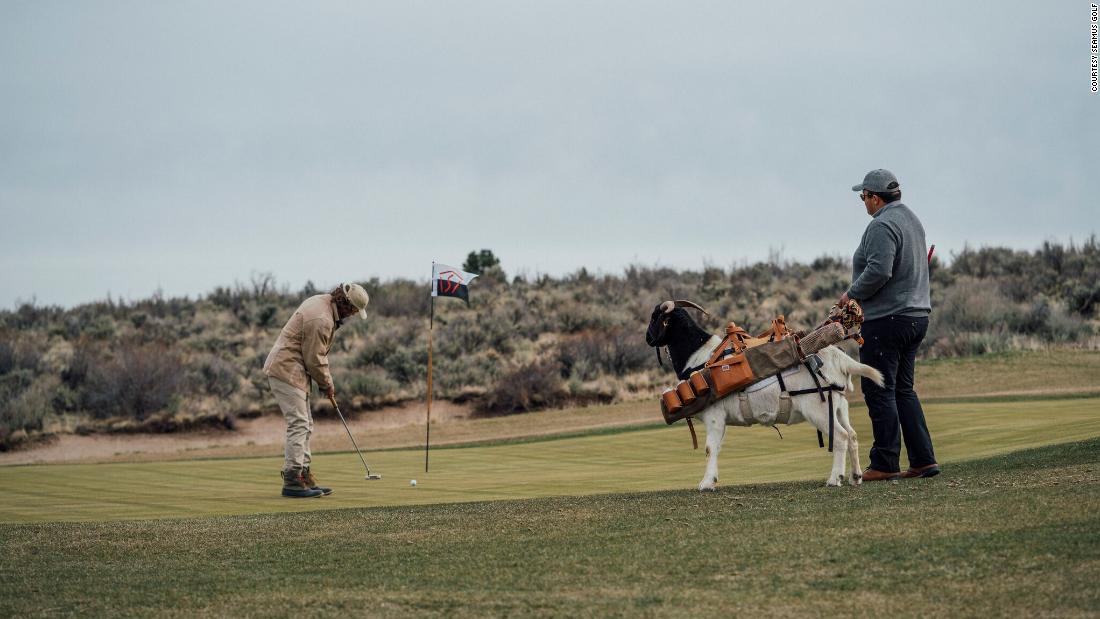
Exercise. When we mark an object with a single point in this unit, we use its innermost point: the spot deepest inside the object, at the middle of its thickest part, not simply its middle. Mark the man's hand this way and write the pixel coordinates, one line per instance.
(843, 302)
(330, 392)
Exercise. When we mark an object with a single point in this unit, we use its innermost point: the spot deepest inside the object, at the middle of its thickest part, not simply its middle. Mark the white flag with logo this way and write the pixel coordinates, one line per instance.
(448, 281)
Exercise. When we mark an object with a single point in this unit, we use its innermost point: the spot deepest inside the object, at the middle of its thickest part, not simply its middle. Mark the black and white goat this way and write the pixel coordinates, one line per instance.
(690, 346)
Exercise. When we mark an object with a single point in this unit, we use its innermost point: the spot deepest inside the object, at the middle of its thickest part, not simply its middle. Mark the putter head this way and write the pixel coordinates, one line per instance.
(373, 476)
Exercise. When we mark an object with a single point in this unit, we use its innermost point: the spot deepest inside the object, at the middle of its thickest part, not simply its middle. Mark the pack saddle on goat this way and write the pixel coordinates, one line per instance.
(742, 360)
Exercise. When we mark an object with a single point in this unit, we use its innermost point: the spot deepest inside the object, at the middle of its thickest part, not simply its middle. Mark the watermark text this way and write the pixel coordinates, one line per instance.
(1092, 27)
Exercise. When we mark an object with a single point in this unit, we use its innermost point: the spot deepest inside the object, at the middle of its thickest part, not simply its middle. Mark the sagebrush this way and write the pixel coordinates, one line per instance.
(523, 343)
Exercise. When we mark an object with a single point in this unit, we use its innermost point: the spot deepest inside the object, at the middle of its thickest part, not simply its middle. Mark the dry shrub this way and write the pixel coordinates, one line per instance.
(368, 387)
(462, 378)
(975, 316)
(396, 348)
(829, 288)
(403, 364)
(216, 376)
(398, 298)
(528, 387)
(470, 332)
(589, 323)
(140, 379)
(24, 406)
(19, 352)
(974, 305)
(615, 352)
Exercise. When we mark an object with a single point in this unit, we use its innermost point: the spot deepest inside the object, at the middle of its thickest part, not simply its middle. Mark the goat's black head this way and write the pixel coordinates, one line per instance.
(670, 325)
(663, 315)
(669, 317)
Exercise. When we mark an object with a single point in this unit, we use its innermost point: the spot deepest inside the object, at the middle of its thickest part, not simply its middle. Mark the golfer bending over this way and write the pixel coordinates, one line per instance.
(300, 354)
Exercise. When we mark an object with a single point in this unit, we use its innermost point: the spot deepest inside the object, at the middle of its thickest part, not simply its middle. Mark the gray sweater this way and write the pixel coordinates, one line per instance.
(890, 266)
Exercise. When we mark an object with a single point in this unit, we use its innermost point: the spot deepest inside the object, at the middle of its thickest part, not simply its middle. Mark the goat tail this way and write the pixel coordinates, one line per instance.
(865, 371)
(852, 367)
(869, 372)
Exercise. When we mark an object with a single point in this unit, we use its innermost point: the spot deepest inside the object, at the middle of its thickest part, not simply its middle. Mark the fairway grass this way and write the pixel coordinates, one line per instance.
(624, 461)
(1044, 374)
(1010, 535)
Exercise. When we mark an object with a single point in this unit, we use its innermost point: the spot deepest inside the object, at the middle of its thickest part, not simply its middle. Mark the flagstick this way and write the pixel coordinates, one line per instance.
(428, 423)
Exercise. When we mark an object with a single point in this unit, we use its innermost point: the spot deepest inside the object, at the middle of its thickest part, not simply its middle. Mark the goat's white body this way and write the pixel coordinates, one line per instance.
(838, 369)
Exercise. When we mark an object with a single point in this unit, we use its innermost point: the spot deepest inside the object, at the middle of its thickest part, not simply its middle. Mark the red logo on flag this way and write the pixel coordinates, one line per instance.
(449, 281)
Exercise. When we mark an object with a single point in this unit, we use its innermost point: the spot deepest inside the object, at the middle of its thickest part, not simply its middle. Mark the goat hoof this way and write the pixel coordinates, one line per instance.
(708, 487)
(857, 480)
(833, 483)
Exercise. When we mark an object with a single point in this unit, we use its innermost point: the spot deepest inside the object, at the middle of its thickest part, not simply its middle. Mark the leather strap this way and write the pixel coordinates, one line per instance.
(821, 392)
(813, 375)
(777, 331)
(784, 415)
(824, 389)
(734, 340)
(746, 408)
(689, 371)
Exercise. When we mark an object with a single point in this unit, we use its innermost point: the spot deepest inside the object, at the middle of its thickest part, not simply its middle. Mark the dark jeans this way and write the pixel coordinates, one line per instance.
(890, 346)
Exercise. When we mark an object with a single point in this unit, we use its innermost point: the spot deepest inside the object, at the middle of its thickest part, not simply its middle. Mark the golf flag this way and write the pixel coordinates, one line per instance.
(447, 281)
(451, 282)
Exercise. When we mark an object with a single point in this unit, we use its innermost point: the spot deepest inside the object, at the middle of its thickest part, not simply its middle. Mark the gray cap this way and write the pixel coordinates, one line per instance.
(878, 181)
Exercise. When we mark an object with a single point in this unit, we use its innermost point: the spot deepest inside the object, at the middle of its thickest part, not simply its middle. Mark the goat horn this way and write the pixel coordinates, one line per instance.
(667, 307)
(691, 304)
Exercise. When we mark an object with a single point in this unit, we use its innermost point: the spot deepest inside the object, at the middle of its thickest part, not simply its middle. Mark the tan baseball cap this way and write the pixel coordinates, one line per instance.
(358, 297)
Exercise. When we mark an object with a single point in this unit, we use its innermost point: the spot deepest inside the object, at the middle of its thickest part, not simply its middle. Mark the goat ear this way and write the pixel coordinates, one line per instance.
(667, 307)
(691, 304)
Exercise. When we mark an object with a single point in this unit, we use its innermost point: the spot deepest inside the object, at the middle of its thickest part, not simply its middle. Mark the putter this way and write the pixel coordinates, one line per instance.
(371, 476)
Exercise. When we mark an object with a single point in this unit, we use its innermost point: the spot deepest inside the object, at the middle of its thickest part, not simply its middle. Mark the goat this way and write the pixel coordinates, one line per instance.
(689, 346)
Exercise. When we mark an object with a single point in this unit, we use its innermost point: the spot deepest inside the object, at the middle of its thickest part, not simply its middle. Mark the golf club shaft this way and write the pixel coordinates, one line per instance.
(353, 444)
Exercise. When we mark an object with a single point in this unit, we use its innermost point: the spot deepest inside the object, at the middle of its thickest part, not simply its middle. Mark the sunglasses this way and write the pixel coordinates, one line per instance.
(863, 196)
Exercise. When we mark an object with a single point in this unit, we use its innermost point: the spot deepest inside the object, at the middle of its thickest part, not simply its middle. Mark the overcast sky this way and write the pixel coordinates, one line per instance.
(185, 145)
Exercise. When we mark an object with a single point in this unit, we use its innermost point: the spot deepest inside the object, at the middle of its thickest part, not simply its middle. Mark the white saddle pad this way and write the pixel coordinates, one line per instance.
(771, 380)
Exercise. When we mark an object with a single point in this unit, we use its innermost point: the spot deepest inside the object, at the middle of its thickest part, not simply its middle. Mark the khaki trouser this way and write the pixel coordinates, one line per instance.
(299, 423)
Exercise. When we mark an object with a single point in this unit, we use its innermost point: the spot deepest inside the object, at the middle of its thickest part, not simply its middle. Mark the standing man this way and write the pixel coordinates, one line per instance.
(299, 355)
(890, 281)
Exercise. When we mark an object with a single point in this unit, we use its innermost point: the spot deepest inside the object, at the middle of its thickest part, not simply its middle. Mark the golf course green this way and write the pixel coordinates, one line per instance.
(602, 462)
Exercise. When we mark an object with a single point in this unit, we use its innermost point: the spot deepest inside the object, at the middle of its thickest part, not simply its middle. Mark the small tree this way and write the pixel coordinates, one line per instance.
(485, 264)
(480, 261)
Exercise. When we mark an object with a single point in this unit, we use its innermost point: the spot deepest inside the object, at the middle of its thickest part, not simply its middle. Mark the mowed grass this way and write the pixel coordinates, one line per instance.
(1009, 376)
(602, 462)
(1011, 535)
(1056, 370)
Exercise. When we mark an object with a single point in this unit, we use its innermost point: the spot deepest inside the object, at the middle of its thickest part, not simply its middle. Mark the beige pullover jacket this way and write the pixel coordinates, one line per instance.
(301, 351)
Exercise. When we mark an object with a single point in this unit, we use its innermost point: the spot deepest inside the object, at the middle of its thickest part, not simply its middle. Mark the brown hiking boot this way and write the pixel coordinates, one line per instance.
(311, 482)
(870, 474)
(294, 486)
(929, 470)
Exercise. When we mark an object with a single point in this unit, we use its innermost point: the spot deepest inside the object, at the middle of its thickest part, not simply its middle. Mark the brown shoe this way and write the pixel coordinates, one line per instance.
(311, 482)
(930, 470)
(294, 486)
(870, 474)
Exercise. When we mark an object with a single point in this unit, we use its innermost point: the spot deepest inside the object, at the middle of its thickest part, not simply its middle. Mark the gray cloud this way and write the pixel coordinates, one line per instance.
(186, 145)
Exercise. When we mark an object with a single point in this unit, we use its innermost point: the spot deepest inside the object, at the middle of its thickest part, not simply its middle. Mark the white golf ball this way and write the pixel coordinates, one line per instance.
(412, 482)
